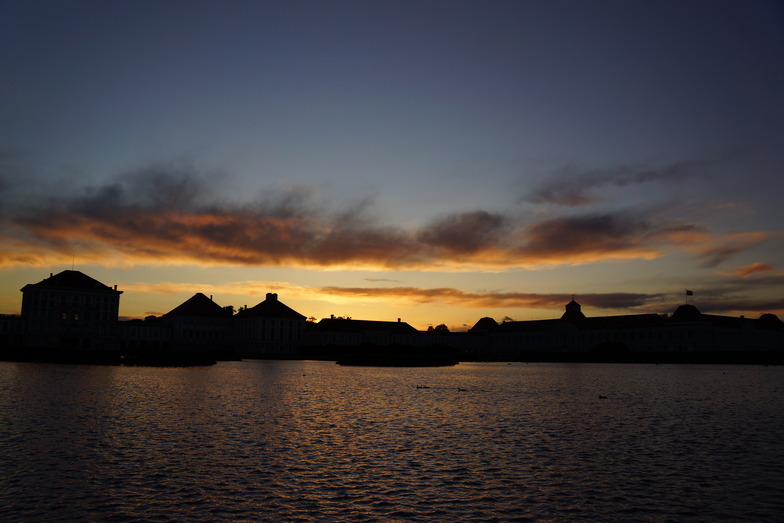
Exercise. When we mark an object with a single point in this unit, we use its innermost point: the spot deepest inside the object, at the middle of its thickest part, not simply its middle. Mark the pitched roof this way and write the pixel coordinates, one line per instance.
(485, 324)
(686, 313)
(769, 321)
(71, 280)
(198, 305)
(271, 308)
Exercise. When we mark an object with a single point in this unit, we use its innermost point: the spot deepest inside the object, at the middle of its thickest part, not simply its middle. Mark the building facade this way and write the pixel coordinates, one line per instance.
(70, 310)
(346, 332)
(269, 328)
(199, 324)
(686, 330)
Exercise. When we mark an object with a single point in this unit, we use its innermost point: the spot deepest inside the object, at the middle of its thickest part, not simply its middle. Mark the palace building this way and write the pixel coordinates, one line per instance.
(72, 311)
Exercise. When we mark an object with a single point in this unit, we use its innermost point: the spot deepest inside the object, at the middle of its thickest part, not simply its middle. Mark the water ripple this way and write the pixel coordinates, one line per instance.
(312, 441)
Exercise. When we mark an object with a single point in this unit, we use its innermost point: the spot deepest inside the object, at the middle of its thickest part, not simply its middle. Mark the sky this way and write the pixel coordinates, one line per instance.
(434, 161)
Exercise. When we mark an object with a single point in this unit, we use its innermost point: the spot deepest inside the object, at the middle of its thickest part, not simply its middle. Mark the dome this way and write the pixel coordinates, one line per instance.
(686, 313)
(770, 321)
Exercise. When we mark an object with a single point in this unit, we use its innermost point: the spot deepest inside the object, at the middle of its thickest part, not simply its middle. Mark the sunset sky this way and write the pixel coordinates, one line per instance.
(435, 161)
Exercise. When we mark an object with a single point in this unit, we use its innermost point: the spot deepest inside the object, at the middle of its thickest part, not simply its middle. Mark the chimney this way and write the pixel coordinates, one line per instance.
(210, 297)
(398, 320)
(272, 296)
(51, 274)
(115, 286)
(331, 316)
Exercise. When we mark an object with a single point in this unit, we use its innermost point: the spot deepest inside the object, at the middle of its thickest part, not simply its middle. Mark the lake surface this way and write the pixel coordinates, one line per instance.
(314, 441)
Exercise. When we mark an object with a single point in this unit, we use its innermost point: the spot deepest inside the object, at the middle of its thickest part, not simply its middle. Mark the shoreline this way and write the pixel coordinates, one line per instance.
(384, 358)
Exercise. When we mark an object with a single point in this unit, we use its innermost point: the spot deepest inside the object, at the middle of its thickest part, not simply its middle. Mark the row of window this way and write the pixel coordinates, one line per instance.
(38, 308)
(608, 335)
(53, 298)
(83, 315)
(94, 330)
(13, 325)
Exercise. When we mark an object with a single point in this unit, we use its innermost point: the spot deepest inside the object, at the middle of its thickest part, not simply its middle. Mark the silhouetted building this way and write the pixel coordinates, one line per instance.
(11, 331)
(574, 313)
(687, 330)
(199, 324)
(150, 334)
(269, 328)
(70, 310)
(346, 331)
(484, 325)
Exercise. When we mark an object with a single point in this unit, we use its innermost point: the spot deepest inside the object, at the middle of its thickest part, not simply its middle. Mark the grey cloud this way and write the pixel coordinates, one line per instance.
(573, 189)
(465, 232)
(164, 214)
(496, 299)
(715, 255)
(586, 233)
(618, 300)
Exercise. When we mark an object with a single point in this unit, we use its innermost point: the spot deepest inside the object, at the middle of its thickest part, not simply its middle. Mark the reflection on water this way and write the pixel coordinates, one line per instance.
(261, 440)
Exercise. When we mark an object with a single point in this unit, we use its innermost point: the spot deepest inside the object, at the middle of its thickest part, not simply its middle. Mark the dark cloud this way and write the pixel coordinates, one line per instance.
(751, 307)
(165, 214)
(728, 294)
(717, 252)
(466, 232)
(578, 236)
(574, 189)
(13, 175)
(494, 299)
(168, 214)
(619, 300)
(714, 256)
(718, 297)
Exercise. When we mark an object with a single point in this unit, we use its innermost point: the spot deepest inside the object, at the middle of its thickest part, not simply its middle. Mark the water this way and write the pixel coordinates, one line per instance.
(313, 441)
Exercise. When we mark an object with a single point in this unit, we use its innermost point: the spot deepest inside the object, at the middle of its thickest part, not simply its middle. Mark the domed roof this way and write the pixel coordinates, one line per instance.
(770, 321)
(686, 313)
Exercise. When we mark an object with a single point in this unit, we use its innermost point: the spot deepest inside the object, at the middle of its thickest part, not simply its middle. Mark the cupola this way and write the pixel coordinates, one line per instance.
(573, 312)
